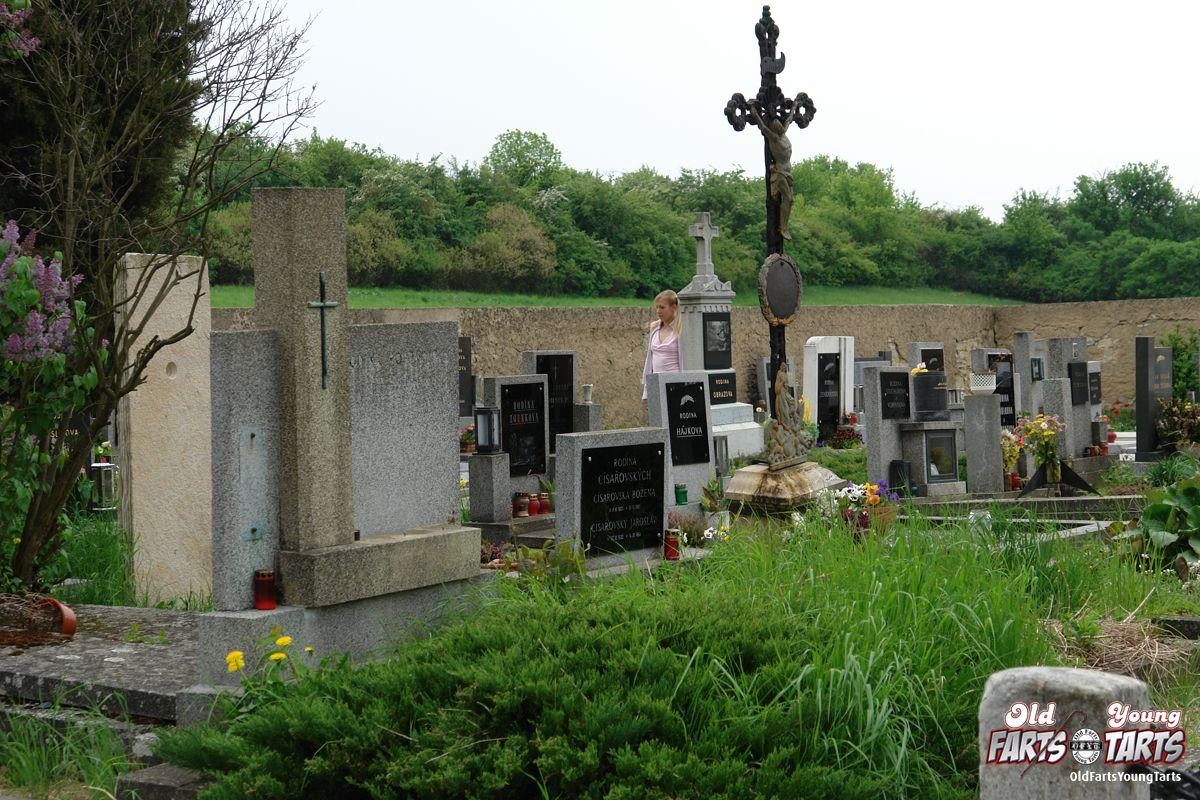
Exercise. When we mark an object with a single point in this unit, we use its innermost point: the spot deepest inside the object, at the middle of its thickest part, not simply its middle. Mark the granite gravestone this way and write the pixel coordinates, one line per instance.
(523, 423)
(829, 380)
(829, 394)
(704, 310)
(466, 381)
(886, 406)
(677, 402)
(1153, 384)
(612, 489)
(559, 369)
(1095, 393)
(687, 423)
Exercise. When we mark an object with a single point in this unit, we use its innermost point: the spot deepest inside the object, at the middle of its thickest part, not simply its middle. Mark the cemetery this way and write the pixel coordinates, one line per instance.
(309, 550)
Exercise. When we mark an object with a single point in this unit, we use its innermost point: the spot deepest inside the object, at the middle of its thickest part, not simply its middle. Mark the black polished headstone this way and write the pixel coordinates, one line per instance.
(466, 381)
(934, 358)
(829, 394)
(1077, 374)
(1094, 395)
(622, 504)
(523, 428)
(894, 395)
(687, 423)
(1152, 385)
(1002, 365)
(722, 388)
(559, 369)
(718, 341)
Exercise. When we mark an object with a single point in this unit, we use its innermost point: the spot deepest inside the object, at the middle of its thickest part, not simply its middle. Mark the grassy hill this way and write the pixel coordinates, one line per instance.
(243, 296)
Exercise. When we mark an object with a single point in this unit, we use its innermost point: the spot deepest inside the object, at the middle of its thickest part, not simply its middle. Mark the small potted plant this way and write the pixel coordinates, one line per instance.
(714, 504)
(466, 439)
(867, 507)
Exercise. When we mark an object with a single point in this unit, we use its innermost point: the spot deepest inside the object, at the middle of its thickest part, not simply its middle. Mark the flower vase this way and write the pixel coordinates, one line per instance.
(1053, 471)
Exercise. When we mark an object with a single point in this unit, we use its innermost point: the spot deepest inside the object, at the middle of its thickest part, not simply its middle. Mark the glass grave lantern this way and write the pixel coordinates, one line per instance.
(103, 476)
(487, 429)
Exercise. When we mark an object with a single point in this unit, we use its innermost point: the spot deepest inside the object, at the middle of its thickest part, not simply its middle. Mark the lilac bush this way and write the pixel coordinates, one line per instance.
(45, 329)
(15, 40)
(40, 385)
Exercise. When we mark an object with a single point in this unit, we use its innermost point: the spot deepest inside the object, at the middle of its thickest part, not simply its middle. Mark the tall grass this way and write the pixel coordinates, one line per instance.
(40, 757)
(95, 566)
(791, 662)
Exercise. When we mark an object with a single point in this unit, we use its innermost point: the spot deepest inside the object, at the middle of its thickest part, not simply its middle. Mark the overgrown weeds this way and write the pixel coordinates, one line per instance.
(792, 662)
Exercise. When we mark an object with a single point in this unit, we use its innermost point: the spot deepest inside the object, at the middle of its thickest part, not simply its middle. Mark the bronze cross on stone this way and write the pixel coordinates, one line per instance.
(323, 305)
(773, 113)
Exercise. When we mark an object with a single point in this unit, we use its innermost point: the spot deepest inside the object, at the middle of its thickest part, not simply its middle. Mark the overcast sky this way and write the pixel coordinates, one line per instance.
(966, 102)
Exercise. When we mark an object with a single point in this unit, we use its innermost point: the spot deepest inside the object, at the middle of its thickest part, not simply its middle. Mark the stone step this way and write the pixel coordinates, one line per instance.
(136, 738)
(160, 782)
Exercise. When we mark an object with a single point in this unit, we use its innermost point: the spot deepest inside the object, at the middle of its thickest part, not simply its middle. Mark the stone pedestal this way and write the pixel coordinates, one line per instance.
(915, 446)
(758, 487)
(985, 466)
(300, 235)
(589, 417)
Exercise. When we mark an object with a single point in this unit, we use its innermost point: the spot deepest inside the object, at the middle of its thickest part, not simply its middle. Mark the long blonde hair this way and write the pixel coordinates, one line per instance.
(672, 299)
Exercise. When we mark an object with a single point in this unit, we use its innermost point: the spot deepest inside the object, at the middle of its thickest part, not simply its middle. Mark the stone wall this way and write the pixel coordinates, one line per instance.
(611, 341)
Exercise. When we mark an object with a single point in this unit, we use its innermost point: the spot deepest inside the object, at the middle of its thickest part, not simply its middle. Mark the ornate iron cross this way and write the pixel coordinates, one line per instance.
(773, 113)
(323, 305)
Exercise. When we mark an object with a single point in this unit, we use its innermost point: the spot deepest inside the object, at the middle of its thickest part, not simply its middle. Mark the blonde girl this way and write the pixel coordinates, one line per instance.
(662, 347)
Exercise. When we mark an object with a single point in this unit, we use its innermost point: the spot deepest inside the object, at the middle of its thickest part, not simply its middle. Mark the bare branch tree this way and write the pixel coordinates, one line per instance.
(136, 105)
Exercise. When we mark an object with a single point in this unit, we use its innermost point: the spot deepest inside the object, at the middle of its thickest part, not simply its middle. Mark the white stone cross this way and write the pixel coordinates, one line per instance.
(703, 232)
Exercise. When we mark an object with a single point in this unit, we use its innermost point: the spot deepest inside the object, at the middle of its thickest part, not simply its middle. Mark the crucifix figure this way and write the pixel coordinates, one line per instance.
(703, 232)
(773, 114)
(323, 305)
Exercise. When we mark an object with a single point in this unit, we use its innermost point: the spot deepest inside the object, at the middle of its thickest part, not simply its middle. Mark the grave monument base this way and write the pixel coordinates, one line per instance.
(757, 486)
(735, 421)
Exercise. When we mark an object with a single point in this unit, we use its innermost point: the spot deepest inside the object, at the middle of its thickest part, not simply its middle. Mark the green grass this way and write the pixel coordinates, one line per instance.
(792, 662)
(849, 464)
(97, 556)
(361, 297)
(39, 758)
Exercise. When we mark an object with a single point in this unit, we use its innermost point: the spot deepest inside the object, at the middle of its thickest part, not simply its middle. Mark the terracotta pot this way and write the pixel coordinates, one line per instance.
(67, 620)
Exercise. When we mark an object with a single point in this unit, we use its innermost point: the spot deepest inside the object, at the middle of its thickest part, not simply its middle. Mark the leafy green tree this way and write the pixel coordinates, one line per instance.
(525, 159)
(94, 156)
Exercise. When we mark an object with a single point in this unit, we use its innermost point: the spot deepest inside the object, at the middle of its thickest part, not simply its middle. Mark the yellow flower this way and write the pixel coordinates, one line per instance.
(278, 656)
(16, 540)
(235, 660)
(308, 649)
(283, 641)
(873, 500)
